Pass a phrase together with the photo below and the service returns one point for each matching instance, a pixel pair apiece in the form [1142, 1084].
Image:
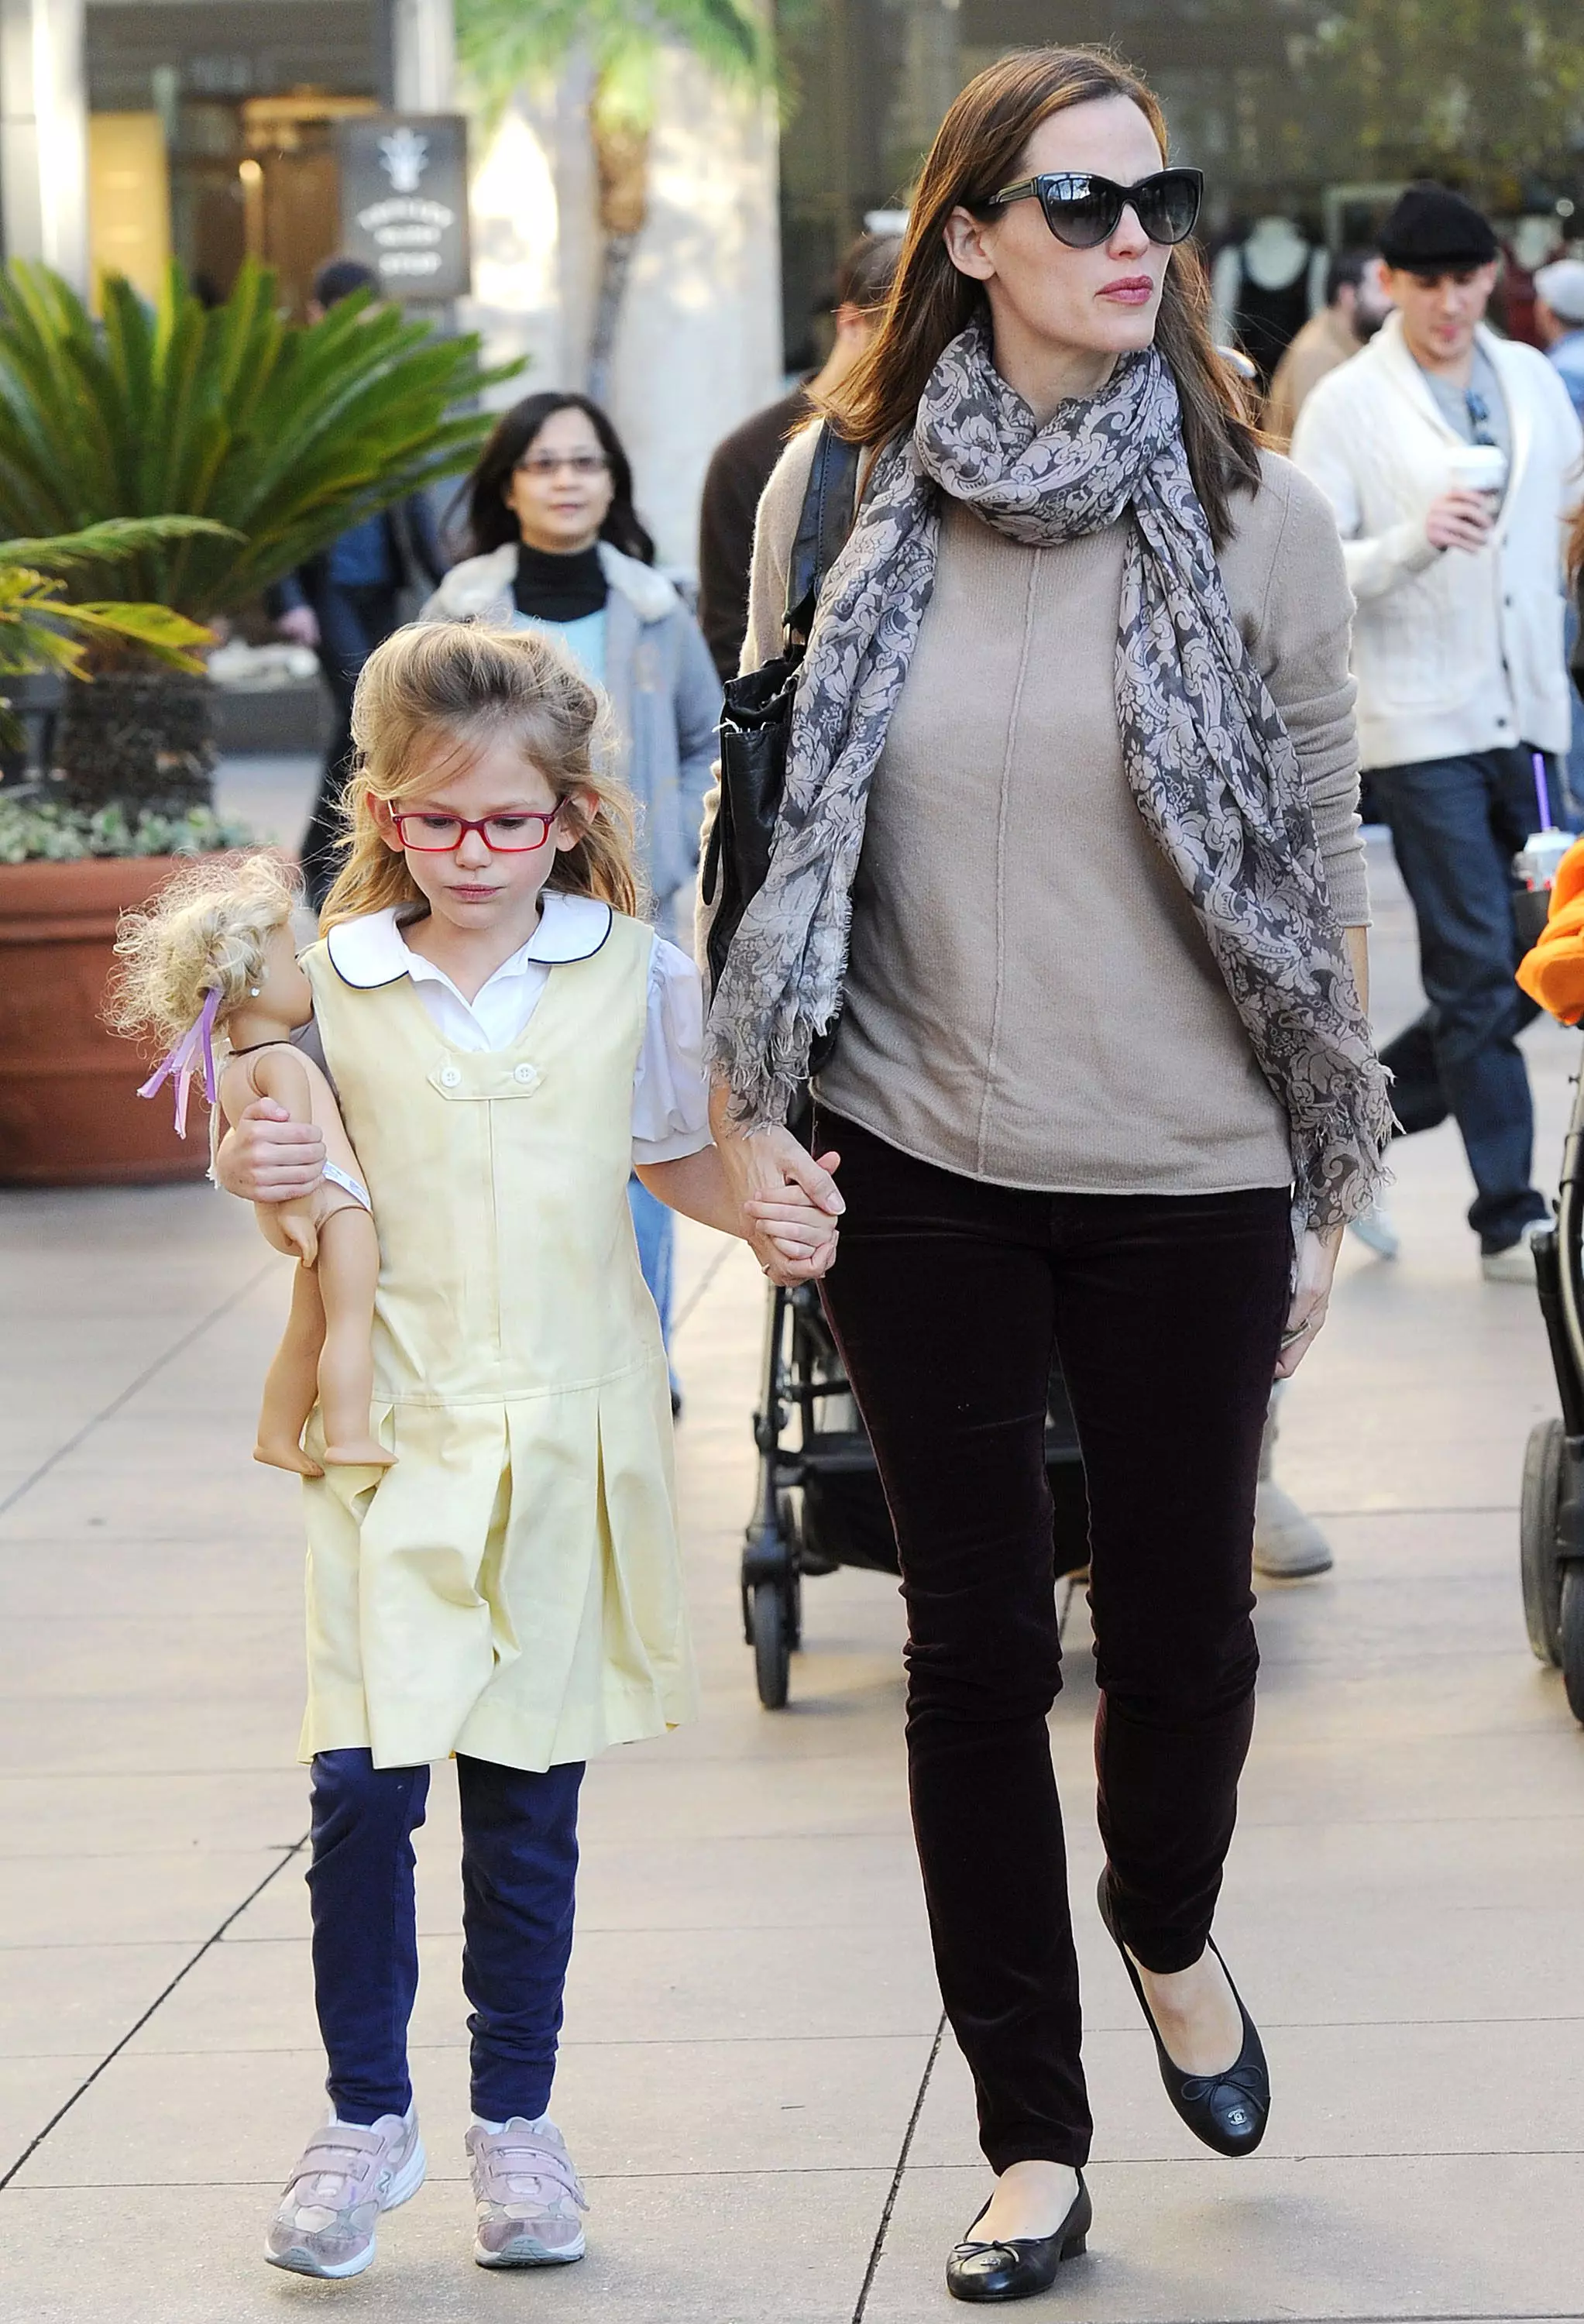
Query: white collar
[370, 951]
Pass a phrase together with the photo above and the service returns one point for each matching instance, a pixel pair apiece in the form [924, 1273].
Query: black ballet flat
[1228, 2111]
[1023, 2264]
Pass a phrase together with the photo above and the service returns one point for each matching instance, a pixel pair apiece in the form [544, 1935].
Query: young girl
[505, 1037]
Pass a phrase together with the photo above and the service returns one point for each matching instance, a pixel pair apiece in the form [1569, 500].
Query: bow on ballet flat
[180, 1064]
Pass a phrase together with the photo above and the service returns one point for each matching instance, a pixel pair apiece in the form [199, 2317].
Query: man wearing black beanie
[1451, 457]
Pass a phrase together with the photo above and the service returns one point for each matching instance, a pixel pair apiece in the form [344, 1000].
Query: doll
[213, 964]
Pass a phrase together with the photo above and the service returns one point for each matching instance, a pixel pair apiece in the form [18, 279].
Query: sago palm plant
[41, 631]
[506, 45]
[281, 436]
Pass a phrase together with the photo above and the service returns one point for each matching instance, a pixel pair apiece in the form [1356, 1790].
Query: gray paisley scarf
[1210, 763]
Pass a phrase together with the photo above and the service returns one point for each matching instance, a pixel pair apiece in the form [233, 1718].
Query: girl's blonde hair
[205, 931]
[429, 700]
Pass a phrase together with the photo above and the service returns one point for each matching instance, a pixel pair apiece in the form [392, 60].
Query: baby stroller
[1550, 1524]
[820, 1503]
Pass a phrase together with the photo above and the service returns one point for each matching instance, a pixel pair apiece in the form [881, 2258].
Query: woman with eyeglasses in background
[559, 545]
[1070, 858]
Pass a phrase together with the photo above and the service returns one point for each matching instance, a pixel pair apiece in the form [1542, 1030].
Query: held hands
[788, 1201]
[268, 1158]
[1459, 519]
[1311, 1291]
[794, 1226]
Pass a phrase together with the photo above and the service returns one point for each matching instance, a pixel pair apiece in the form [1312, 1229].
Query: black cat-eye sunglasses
[1083, 210]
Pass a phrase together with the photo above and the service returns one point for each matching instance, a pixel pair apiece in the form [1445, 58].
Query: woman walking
[559, 545]
[1070, 857]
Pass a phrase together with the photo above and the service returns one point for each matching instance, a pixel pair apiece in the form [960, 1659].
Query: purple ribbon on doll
[180, 1063]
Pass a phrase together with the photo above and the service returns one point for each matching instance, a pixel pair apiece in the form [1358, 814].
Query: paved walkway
[752, 2078]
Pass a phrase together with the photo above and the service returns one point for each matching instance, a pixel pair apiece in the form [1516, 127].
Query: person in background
[1288, 1545]
[742, 463]
[345, 601]
[1559, 316]
[1355, 309]
[1458, 653]
[559, 545]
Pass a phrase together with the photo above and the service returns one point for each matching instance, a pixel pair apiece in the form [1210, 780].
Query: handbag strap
[830, 502]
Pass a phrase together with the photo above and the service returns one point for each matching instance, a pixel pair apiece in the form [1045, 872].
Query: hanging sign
[404, 201]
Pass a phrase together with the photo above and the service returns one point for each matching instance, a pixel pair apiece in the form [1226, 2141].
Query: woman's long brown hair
[978, 149]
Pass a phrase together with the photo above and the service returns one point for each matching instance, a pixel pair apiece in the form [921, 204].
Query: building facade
[135, 130]
[1306, 115]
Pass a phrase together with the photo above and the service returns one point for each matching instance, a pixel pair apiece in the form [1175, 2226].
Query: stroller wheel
[1571, 1654]
[794, 1533]
[772, 1644]
[1537, 1545]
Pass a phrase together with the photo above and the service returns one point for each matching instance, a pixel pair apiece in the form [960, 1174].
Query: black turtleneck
[554, 587]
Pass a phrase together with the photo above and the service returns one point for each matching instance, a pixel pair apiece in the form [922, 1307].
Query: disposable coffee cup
[1477, 468]
[1538, 860]
[1535, 868]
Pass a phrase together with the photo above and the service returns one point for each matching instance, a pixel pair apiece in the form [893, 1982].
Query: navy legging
[518, 1871]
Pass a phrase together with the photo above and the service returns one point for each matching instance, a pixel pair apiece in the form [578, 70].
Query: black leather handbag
[756, 721]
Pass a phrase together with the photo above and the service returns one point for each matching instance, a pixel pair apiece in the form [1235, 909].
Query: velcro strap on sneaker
[341, 2150]
[527, 2160]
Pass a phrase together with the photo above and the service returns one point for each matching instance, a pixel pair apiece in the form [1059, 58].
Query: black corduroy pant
[1165, 1310]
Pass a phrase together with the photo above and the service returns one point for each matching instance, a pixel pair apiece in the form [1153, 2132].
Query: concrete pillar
[423, 45]
[699, 345]
[44, 135]
[699, 342]
[535, 236]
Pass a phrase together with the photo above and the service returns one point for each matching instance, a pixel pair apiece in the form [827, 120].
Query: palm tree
[281, 437]
[506, 45]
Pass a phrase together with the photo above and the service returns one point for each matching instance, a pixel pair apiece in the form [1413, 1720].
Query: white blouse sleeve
[671, 1092]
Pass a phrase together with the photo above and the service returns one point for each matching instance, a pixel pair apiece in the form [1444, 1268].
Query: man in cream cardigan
[1452, 458]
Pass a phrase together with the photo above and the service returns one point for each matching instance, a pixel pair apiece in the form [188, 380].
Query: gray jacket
[663, 689]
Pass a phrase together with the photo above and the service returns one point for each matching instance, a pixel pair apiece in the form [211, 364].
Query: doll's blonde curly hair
[205, 931]
[428, 700]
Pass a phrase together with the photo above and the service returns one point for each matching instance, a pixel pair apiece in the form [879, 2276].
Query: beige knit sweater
[1029, 999]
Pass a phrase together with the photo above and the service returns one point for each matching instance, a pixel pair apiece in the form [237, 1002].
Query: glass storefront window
[210, 132]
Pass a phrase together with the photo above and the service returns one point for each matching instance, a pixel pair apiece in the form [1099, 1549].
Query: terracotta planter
[69, 1112]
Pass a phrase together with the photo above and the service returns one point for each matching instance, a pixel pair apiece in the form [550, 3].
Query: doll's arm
[277, 1074]
[267, 1157]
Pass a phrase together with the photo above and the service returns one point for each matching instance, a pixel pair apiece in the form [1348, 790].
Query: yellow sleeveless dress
[510, 1588]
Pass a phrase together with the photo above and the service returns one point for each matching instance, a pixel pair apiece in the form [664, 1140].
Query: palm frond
[104, 544]
[277, 437]
[730, 37]
[39, 630]
[170, 637]
[506, 45]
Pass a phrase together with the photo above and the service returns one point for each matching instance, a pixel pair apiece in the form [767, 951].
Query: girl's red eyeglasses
[517, 833]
